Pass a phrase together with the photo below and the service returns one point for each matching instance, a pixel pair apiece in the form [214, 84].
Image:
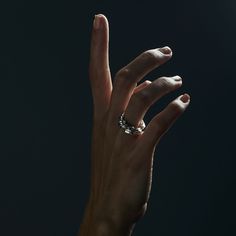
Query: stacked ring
[129, 128]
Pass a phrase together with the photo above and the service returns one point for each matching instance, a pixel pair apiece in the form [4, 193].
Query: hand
[121, 173]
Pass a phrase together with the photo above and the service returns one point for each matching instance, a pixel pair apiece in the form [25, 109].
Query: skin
[121, 171]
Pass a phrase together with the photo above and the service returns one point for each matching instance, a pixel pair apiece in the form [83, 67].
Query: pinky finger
[160, 124]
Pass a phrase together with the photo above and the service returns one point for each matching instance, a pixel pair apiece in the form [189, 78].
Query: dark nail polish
[185, 98]
[166, 50]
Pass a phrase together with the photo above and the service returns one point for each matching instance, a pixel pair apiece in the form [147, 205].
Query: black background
[46, 112]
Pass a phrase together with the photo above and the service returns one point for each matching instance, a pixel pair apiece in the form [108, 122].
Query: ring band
[129, 128]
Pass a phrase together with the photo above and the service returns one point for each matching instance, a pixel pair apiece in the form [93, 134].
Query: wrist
[103, 228]
[96, 223]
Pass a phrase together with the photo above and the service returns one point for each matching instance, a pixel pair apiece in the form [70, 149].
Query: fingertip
[100, 36]
[166, 51]
[100, 21]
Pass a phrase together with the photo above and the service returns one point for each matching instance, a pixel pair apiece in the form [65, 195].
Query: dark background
[46, 111]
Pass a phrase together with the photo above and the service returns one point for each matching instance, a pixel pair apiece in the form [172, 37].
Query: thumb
[99, 71]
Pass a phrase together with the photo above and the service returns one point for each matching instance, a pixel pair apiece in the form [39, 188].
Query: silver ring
[130, 129]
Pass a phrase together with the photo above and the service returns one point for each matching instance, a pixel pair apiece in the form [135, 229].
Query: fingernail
[185, 98]
[166, 50]
[177, 78]
[96, 22]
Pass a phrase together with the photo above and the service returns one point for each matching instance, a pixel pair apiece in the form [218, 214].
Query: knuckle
[165, 83]
[162, 124]
[150, 55]
[176, 108]
[141, 98]
[122, 76]
[122, 73]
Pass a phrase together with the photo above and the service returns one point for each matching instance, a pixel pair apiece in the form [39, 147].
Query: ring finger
[142, 100]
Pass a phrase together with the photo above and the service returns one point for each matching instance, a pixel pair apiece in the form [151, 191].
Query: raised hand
[121, 171]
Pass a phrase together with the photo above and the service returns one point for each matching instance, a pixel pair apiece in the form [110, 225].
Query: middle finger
[128, 77]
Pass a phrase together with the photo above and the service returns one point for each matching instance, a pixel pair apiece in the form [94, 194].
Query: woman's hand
[121, 173]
